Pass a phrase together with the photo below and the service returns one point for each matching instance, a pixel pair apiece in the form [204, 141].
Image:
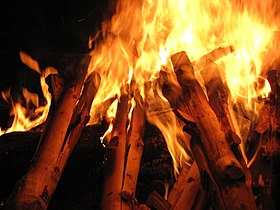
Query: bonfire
[204, 73]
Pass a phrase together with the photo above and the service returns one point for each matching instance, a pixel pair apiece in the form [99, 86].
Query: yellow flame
[141, 36]
[160, 114]
[110, 116]
[24, 116]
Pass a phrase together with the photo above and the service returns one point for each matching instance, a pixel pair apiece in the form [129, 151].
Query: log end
[180, 59]
[229, 168]
[183, 68]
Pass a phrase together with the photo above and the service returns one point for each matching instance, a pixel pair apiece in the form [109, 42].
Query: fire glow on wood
[195, 69]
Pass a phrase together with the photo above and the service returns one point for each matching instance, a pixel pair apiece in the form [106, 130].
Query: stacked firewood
[218, 178]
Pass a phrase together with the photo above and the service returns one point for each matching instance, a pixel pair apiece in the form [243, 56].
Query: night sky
[46, 30]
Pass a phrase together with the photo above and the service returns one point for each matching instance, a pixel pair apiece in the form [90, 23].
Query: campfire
[205, 74]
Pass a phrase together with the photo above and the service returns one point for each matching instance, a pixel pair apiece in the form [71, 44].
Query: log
[265, 148]
[115, 163]
[35, 189]
[135, 146]
[79, 120]
[217, 93]
[184, 193]
[56, 84]
[171, 89]
[99, 111]
[177, 187]
[200, 200]
[208, 181]
[173, 93]
[266, 124]
[214, 140]
[156, 201]
[214, 55]
[221, 193]
[225, 172]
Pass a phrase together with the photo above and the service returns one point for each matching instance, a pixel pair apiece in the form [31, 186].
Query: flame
[110, 116]
[160, 114]
[28, 113]
[140, 37]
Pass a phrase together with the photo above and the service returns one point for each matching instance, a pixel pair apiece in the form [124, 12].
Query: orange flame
[142, 35]
[25, 117]
[29, 114]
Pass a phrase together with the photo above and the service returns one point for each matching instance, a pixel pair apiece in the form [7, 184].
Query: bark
[134, 155]
[264, 148]
[200, 200]
[213, 139]
[220, 164]
[79, 120]
[213, 56]
[114, 171]
[220, 193]
[217, 93]
[56, 84]
[157, 202]
[183, 196]
[35, 190]
[173, 92]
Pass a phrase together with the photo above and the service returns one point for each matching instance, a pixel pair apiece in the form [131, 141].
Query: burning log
[79, 120]
[35, 189]
[115, 164]
[263, 147]
[213, 138]
[98, 114]
[134, 154]
[173, 92]
[124, 156]
[224, 167]
[213, 56]
[217, 93]
[220, 193]
[56, 85]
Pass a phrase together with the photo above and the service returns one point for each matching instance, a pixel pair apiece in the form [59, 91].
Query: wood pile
[218, 178]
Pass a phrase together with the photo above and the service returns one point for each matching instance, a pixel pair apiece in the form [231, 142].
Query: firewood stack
[218, 178]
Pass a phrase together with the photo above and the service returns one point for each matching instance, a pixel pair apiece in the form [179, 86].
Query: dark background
[48, 31]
